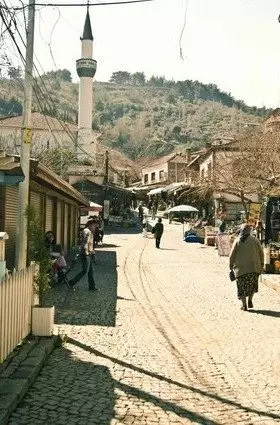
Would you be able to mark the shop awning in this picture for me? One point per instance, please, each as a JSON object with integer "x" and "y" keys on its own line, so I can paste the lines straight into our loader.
{"x": 157, "y": 191}
{"x": 92, "y": 207}
{"x": 175, "y": 186}
{"x": 230, "y": 197}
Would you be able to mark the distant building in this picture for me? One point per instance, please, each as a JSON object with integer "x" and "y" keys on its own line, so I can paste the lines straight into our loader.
{"x": 165, "y": 170}
{"x": 47, "y": 133}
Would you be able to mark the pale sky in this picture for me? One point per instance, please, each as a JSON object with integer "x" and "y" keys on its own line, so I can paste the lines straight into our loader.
{"x": 232, "y": 43}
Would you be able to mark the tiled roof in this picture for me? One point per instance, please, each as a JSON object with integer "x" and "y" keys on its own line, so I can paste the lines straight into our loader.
{"x": 117, "y": 162}
{"x": 39, "y": 122}
{"x": 161, "y": 160}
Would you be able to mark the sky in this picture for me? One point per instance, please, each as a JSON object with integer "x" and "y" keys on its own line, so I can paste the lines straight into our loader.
{"x": 231, "y": 43}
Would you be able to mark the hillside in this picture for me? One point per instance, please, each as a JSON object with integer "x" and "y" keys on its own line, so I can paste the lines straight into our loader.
{"x": 139, "y": 119}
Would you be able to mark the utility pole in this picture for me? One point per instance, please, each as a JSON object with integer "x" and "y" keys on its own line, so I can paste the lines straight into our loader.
{"x": 106, "y": 203}
{"x": 21, "y": 246}
{"x": 106, "y": 179}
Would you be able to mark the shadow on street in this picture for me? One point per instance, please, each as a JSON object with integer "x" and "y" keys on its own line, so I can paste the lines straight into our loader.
{"x": 84, "y": 307}
{"x": 266, "y": 312}
{"x": 83, "y": 391}
{"x": 163, "y": 403}
{"x": 109, "y": 230}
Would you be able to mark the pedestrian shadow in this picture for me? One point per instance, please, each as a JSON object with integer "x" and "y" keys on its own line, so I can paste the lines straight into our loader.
{"x": 107, "y": 245}
{"x": 125, "y": 299}
{"x": 84, "y": 307}
{"x": 266, "y": 312}
{"x": 111, "y": 230}
{"x": 83, "y": 392}
{"x": 182, "y": 412}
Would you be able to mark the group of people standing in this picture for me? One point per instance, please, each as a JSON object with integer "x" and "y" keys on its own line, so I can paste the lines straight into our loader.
{"x": 90, "y": 236}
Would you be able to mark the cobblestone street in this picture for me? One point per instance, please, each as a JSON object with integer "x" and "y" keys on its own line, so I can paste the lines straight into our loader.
{"x": 163, "y": 342}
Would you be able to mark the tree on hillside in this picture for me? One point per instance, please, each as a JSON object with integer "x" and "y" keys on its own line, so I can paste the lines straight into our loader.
{"x": 121, "y": 77}
{"x": 14, "y": 73}
{"x": 60, "y": 74}
{"x": 156, "y": 81}
{"x": 138, "y": 79}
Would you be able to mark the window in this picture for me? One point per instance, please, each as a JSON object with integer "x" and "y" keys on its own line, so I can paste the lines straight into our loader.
{"x": 153, "y": 176}
{"x": 146, "y": 178}
{"x": 161, "y": 175}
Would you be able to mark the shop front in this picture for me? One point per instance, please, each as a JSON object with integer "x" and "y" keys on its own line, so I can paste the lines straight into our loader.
{"x": 271, "y": 218}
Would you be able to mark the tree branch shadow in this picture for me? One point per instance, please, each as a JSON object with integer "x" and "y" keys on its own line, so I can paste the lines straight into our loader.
{"x": 173, "y": 382}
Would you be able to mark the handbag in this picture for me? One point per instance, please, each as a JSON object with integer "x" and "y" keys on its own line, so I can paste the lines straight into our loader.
{"x": 232, "y": 275}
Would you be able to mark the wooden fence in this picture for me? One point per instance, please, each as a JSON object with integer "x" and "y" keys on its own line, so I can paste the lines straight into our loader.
{"x": 16, "y": 300}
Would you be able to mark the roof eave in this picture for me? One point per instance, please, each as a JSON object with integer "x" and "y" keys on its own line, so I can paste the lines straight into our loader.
{"x": 48, "y": 176}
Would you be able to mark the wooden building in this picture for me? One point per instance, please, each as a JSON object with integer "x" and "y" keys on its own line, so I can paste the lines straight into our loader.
{"x": 119, "y": 197}
{"x": 55, "y": 201}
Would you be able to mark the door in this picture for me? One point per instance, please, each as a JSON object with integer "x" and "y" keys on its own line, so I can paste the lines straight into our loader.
{"x": 66, "y": 227}
{"x": 36, "y": 201}
{"x": 11, "y": 209}
{"x": 49, "y": 210}
{"x": 59, "y": 222}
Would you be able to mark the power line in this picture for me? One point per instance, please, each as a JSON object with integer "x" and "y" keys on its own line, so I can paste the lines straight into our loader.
{"x": 183, "y": 30}
{"x": 23, "y": 60}
{"x": 82, "y": 4}
{"x": 63, "y": 124}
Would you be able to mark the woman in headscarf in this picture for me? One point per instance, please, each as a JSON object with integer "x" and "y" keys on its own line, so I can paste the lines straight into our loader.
{"x": 247, "y": 260}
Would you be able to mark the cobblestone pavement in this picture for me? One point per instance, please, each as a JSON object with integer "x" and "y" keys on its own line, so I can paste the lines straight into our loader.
{"x": 163, "y": 342}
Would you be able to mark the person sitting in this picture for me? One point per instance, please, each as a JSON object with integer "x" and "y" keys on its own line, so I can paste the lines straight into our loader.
{"x": 56, "y": 253}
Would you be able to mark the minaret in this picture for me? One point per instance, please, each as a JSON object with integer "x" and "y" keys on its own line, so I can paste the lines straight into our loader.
{"x": 86, "y": 68}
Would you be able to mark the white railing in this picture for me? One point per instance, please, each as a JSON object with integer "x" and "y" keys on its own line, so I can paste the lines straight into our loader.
{"x": 16, "y": 300}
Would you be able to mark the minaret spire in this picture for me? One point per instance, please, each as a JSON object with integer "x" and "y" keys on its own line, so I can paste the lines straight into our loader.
{"x": 87, "y": 34}
{"x": 86, "y": 68}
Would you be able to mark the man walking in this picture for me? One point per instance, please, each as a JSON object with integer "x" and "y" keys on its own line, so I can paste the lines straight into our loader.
{"x": 87, "y": 257}
{"x": 141, "y": 212}
{"x": 158, "y": 231}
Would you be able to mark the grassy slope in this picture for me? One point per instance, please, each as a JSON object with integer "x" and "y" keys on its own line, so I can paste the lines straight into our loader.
{"x": 143, "y": 121}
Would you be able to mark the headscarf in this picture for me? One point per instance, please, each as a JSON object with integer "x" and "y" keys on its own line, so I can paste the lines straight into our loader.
{"x": 245, "y": 230}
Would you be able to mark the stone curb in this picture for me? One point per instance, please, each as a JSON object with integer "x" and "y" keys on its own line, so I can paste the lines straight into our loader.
{"x": 19, "y": 371}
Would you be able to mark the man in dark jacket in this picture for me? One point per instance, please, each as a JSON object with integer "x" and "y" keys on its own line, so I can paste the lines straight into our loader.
{"x": 158, "y": 231}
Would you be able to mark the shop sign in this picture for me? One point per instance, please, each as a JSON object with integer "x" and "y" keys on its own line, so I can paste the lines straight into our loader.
{"x": 254, "y": 213}
{"x": 223, "y": 244}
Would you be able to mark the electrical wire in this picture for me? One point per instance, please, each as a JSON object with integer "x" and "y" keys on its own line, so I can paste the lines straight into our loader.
{"x": 82, "y": 4}
{"x": 63, "y": 125}
{"x": 183, "y": 30}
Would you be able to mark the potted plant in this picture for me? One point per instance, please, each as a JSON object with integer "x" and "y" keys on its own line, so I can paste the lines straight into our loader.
{"x": 42, "y": 316}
